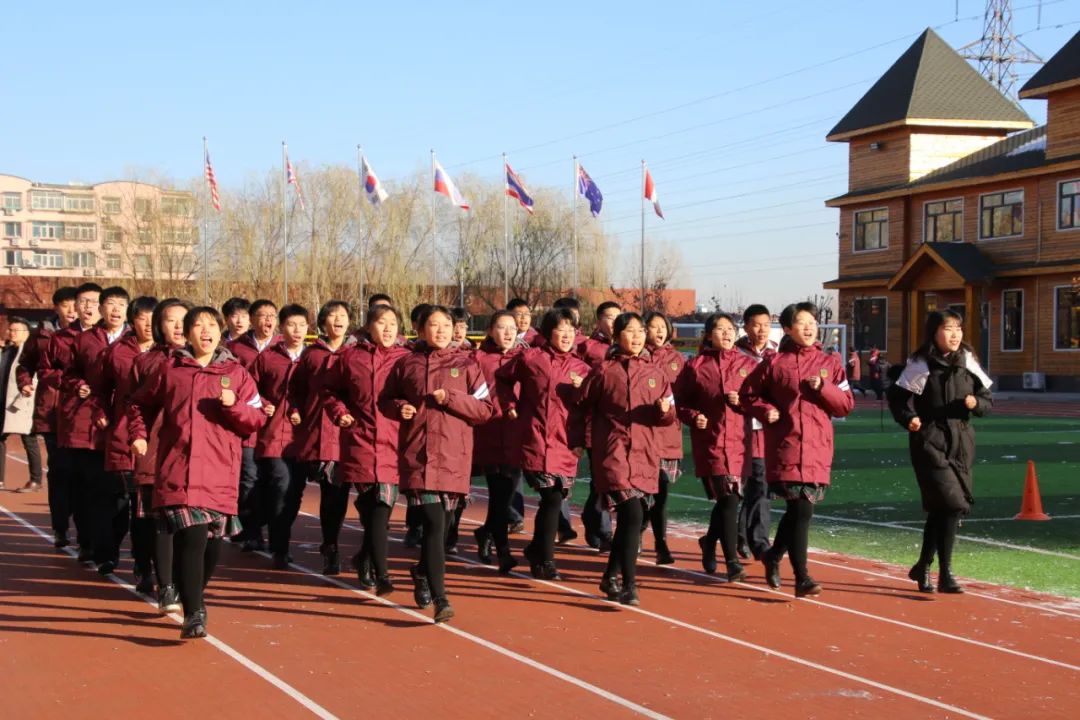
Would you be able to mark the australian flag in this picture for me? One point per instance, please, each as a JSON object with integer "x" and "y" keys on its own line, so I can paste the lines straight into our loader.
{"x": 587, "y": 189}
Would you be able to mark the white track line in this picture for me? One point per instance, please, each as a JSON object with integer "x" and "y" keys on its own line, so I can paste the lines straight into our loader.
{"x": 304, "y": 700}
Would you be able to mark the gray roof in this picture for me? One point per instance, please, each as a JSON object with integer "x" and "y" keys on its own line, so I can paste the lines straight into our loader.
{"x": 1062, "y": 68}
{"x": 930, "y": 81}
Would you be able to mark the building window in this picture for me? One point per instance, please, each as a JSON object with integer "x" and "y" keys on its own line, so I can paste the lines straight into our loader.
{"x": 142, "y": 264}
{"x": 112, "y": 262}
{"x": 79, "y": 231}
{"x": 1012, "y": 320}
{"x": 870, "y": 319}
{"x": 114, "y": 235}
{"x": 176, "y": 236}
{"x": 81, "y": 259}
{"x": 1067, "y": 318}
{"x": 145, "y": 237}
{"x": 1069, "y": 205}
{"x": 46, "y": 230}
{"x": 79, "y": 203}
{"x": 12, "y": 258}
{"x": 1001, "y": 215}
{"x": 172, "y": 205}
{"x": 944, "y": 221}
{"x": 12, "y": 201}
{"x": 49, "y": 258}
{"x": 872, "y": 229}
{"x": 143, "y": 207}
{"x": 46, "y": 200}
{"x": 12, "y": 230}
{"x": 110, "y": 205}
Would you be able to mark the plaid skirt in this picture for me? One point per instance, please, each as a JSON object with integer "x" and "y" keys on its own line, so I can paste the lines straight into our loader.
{"x": 449, "y": 501}
{"x": 542, "y": 480}
{"x": 719, "y": 486}
{"x": 671, "y": 468}
{"x": 142, "y": 501}
{"x": 796, "y": 491}
{"x": 174, "y": 518}
{"x": 613, "y": 499}
{"x": 385, "y": 493}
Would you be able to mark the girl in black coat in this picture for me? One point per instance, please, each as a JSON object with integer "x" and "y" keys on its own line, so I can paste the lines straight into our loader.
{"x": 939, "y": 390}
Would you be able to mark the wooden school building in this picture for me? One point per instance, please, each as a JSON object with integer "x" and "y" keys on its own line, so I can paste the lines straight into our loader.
{"x": 956, "y": 200}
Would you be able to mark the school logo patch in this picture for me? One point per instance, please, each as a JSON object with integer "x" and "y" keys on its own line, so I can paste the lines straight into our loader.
{"x": 824, "y": 373}
{"x": 674, "y": 366}
{"x": 454, "y": 372}
{"x": 652, "y": 382}
{"x": 742, "y": 372}
{"x": 225, "y": 382}
{"x": 574, "y": 376}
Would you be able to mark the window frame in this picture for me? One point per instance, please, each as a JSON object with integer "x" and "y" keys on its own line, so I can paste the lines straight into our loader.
{"x": 963, "y": 209}
{"x": 107, "y": 205}
{"x": 1057, "y": 206}
{"x": 1057, "y": 307}
{"x": 855, "y": 224}
{"x": 1001, "y": 344}
{"x": 48, "y": 194}
{"x": 10, "y": 195}
{"x": 1023, "y": 210}
{"x": 884, "y": 346}
{"x": 18, "y": 224}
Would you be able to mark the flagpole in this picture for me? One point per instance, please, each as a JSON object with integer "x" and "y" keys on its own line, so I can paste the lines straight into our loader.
{"x": 573, "y": 221}
{"x": 360, "y": 229}
{"x": 643, "y": 237}
{"x": 285, "y": 222}
{"x": 434, "y": 270}
{"x": 205, "y": 239}
{"x": 506, "y": 238}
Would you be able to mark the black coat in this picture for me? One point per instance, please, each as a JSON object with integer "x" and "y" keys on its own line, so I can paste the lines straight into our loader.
{"x": 943, "y": 451}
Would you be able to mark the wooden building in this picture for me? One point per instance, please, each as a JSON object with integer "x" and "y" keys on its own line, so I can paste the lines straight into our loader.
{"x": 955, "y": 200}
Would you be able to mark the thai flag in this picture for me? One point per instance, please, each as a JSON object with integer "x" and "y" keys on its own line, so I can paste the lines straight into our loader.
{"x": 516, "y": 189}
{"x": 444, "y": 185}
{"x": 372, "y": 186}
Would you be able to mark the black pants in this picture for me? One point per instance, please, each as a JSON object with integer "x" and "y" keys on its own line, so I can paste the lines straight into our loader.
{"x": 434, "y": 519}
{"x": 281, "y": 486}
{"x": 595, "y": 518}
{"x": 755, "y": 515}
{"x": 248, "y": 501}
{"x": 195, "y": 557}
{"x": 101, "y": 502}
{"x": 32, "y": 447}
{"x": 517, "y": 502}
{"x": 61, "y": 488}
{"x": 658, "y": 512}
{"x": 143, "y": 531}
{"x": 375, "y": 517}
{"x": 723, "y": 525}
{"x": 414, "y": 517}
{"x": 547, "y": 518}
{"x": 333, "y": 505}
{"x": 501, "y": 486}
{"x": 939, "y": 536}
{"x": 793, "y": 535}
{"x": 624, "y": 546}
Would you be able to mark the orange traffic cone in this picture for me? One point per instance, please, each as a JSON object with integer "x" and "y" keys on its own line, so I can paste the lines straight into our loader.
{"x": 1031, "y": 507}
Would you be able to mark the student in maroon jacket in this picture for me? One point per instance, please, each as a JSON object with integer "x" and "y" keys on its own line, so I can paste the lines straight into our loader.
{"x": 281, "y": 474}
{"x": 797, "y": 392}
{"x": 594, "y": 515}
{"x": 658, "y": 332}
{"x": 207, "y": 403}
{"x": 246, "y": 347}
{"x": 439, "y": 393}
{"x": 629, "y": 397}
{"x": 352, "y": 387}
{"x": 318, "y": 436}
{"x": 237, "y": 314}
{"x": 84, "y": 399}
{"x": 707, "y": 397}
{"x": 526, "y": 333}
{"x": 540, "y": 388}
{"x": 495, "y": 445}
{"x": 117, "y": 386}
{"x": 34, "y": 361}
{"x": 755, "y": 514}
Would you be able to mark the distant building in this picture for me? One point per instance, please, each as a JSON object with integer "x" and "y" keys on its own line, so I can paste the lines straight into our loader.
{"x": 955, "y": 200}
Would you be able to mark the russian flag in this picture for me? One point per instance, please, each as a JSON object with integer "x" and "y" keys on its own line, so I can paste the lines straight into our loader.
{"x": 444, "y": 185}
{"x": 372, "y": 186}
{"x": 516, "y": 189}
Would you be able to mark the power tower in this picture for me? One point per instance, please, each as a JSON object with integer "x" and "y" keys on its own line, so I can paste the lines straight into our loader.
{"x": 998, "y": 50}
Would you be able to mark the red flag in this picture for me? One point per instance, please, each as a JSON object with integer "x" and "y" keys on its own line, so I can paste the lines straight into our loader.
{"x": 291, "y": 179}
{"x": 650, "y": 194}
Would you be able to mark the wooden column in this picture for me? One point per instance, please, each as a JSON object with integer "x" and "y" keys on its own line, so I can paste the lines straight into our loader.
{"x": 916, "y": 318}
{"x": 972, "y": 317}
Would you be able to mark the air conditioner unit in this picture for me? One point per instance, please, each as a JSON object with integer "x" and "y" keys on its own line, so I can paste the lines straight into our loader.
{"x": 1034, "y": 381}
{"x": 106, "y": 246}
{"x": 30, "y": 265}
{"x": 14, "y": 242}
{"x": 88, "y": 273}
{"x": 9, "y": 212}
{"x": 13, "y": 270}
{"x": 99, "y": 273}
{"x": 35, "y": 243}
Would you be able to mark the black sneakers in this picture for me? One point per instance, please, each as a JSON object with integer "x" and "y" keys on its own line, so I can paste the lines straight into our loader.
{"x": 194, "y": 625}
{"x": 772, "y": 569}
{"x": 443, "y": 611}
{"x": 168, "y": 600}
{"x": 663, "y": 554}
{"x": 610, "y": 586}
{"x": 807, "y": 587}
{"x": 484, "y": 545}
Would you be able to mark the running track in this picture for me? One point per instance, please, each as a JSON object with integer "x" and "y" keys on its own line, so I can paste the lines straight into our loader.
{"x": 295, "y": 644}
{"x": 1012, "y": 406}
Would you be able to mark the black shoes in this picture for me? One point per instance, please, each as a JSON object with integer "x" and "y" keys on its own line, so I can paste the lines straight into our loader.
{"x": 282, "y": 561}
{"x": 506, "y": 560}
{"x": 144, "y": 584}
{"x": 921, "y": 575}
{"x": 413, "y": 536}
{"x": 451, "y": 540}
{"x": 516, "y": 528}
{"x": 106, "y": 568}
{"x": 384, "y": 585}
{"x": 535, "y": 564}
{"x": 946, "y": 583}
{"x": 772, "y": 569}
{"x": 168, "y": 600}
{"x": 548, "y": 571}
{"x": 443, "y": 611}
{"x": 610, "y": 586}
{"x": 30, "y": 487}
{"x": 663, "y": 554}
{"x": 743, "y": 550}
{"x": 253, "y": 545}
{"x": 604, "y": 543}
{"x": 629, "y": 596}
{"x": 331, "y": 559}
{"x": 421, "y": 589}
{"x": 735, "y": 572}
{"x": 708, "y": 553}
{"x": 807, "y": 587}
{"x": 484, "y": 545}
{"x": 86, "y": 554}
{"x": 194, "y": 626}
{"x": 565, "y": 536}
{"x": 365, "y": 574}
{"x": 60, "y": 541}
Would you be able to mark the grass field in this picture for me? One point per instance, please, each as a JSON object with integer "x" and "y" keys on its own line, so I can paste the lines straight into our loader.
{"x": 872, "y": 509}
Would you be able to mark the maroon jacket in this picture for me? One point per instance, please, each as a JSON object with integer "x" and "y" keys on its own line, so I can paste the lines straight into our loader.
{"x": 798, "y": 446}
{"x": 495, "y": 442}
{"x": 198, "y": 456}
{"x": 272, "y": 370}
{"x": 530, "y": 337}
{"x": 58, "y": 358}
{"x": 87, "y": 367}
{"x": 537, "y": 383}
{"x": 246, "y": 352}
{"x": 34, "y": 360}
{"x": 436, "y": 445}
{"x": 147, "y": 367}
{"x": 118, "y": 382}
{"x": 723, "y": 447}
{"x": 594, "y": 349}
{"x": 669, "y": 436}
{"x": 756, "y": 429}
{"x": 621, "y": 394}
{"x": 353, "y": 386}
{"x": 318, "y": 437}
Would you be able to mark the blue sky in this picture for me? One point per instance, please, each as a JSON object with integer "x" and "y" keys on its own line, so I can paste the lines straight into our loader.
{"x": 729, "y": 102}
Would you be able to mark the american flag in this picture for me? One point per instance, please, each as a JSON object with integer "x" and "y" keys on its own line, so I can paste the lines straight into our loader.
{"x": 290, "y": 176}
{"x": 215, "y": 198}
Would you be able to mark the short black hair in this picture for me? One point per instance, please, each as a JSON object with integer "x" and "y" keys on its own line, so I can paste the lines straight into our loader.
{"x": 234, "y": 305}
{"x": 159, "y": 313}
{"x": 329, "y": 307}
{"x": 787, "y": 317}
{"x": 605, "y": 306}
{"x": 378, "y": 311}
{"x": 567, "y": 302}
{"x": 63, "y": 294}
{"x": 140, "y": 305}
{"x": 380, "y": 299}
{"x": 623, "y": 320}
{"x": 114, "y": 292}
{"x": 459, "y": 314}
{"x": 18, "y": 320}
{"x": 259, "y": 305}
{"x": 515, "y": 303}
{"x": 500, "y": 314}
{"x": 652, "y": 315}
{"x": 417, "y": 312}
{"x": 553, "y": 318}
{"x": 710, "y": 324}
{"x": 86, "y": 288}
{"x": 293, "y": 310}
{"x": 753, "y": 311}
{"x": 196, "y": 312}
{"x": 433, "y": 310}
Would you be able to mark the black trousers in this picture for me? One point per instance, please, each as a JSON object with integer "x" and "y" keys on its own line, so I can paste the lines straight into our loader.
{"x": 281, "y": 485}
{"x": 754, "y": 515}
{"x": 102, "y": 499}
{"x": 32, "y": 447}
{"x": 248, "y": 502}
{"x": 595, "y": 518}
{"x": 61, "y": 489}
{"x": 333, "y": 504}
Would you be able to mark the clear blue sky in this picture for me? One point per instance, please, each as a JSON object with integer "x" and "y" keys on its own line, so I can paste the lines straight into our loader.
{"x": 93, "y": 91}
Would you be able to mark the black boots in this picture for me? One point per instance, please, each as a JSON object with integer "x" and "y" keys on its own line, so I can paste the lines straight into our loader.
{"x": 506, "y": 560}
{"x": 421, "y": 589}
{"x": 946, "y": 583}
{"x": 708, "y": 553}
{"x": 771, "y": 565}
{"x": 484, "y": 545}
{"x": 920, "y": 573}
{"x": 663, "y": 554}
{"x": 331, "y": 559}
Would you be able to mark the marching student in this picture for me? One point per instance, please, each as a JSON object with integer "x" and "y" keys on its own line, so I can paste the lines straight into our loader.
{"x": 317, "y": 433}
{"x": 237, "y": 314}
{"x": 939, "y": 390}
{"x": 246, "y": 348}
{"x": 796, "y": 393}
{"x": 629, "y": 397}
{"x": 658, "y": 332}
{"x": 461, "y": 330}
{"x": 707, "y": 398}
{"x": 540, "y": 388}
{"x": 206, "y": 403}
{"x": 33, "y": 365}
{"x": 83, "y": 397}
{"x": 167, "y": 324}
{"x": 526, "y": 333}
{"x": 439, "y": 393}
{"x": 414, "y": 530}
{"x": 281, "y": 475}
{"x": 755, "y": 517}
{"x": 495, "y": 445}
{"x": 18, "y": 408}
{"x": 351, "y": 392}
{"x": 118, "y": 382}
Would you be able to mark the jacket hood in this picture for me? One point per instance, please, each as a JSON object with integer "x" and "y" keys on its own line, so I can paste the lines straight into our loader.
{"x": 218, "y": 362}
